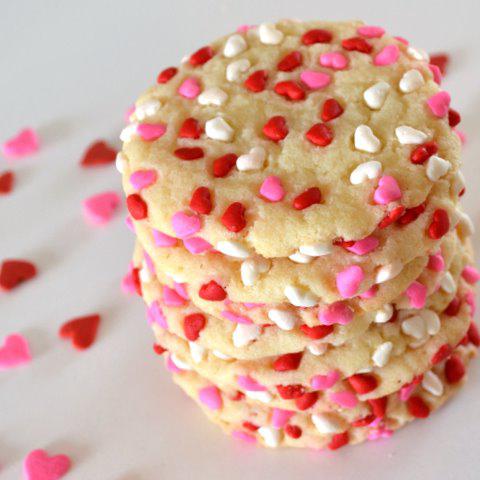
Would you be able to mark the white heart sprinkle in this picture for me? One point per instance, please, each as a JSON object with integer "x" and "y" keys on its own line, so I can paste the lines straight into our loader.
{"x": 385, "y": 314}
{"x": 432, "y": 321}
{"x": 271, "y": 436}
{"x": 300, "y": 297}
{"x": 365, "y": 140}
{"x": 328, "y": 423}
{"x": 128, "y": 132}
{"x": 269, "y": 35}
{"x": 235, "y": 69}
{"x": 197, "y": 352}
{"x": 448, "y": 284}
{"x": 218, "y": 129}
{"x": 212, "y": 96}
{"x": 220, "y": 355}
{"x": 432, "y": 384}
{"x": 234, "y": 45}
{"x": 411, "y": 81}
{"x": 418, "y": 54}
{"x": 298, "y": 257}
{"x": 252, "y": 268}
{"x": 366, "y": 171}
{"x": 232, "y": 249}
{"x": 317, "y": 348}
{"x": 120, "y": 162}
{"x": 415, "y": 327}
{"x": 382, "y": 353}
{"x": 410, "y": 136}
{"x": 253, "y": 160}
{"x": 465, "y": 225}
{"x": 180, "y": 363}
{"x": 147, "y": 109}
{"x": 283, "y": 319}
{"x": 245, "y": 334}
{"x": 376, "y": 95}
{"x": 264, "y": 397}
{"x": 387, "y": 272}
{"x": 316, "y": 250}
{"x": 436, "y": 168}
{"x": 458, "y": 184}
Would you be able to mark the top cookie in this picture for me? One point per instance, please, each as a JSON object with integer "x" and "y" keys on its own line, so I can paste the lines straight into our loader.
{"x": 291, "y": 136}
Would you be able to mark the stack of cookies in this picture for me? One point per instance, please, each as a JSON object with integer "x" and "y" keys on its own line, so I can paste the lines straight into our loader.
{"x": 306, "y": 266}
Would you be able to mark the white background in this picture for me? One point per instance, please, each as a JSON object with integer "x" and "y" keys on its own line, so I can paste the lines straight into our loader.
{"x": 70, "y": 69}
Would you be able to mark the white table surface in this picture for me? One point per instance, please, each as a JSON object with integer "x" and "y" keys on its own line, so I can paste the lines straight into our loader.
{"x": 70, "y": 69}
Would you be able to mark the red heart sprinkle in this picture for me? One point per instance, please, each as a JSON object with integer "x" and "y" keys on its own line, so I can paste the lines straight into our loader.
{"x": 158, "y": 349}
{"x": 81, "y": 331}
{"x": 290, "y": 392}
{"x": 193, "y": 324}
{"x": 364, "y": 421}
{"x": 440, "y": 225}
{"x": 453, "y": 307}
{"x": 417, "y": 407}
{"x": 441, "y": 60}
{"x": 454, "y": 118}
{"x": 256, "y": 81}
{"x": 289, "y": 361}
{"x": 307, "y": 400}
{"x": 189, "y": 153}
{"x": 212, "y": 291}
{"x": 276, "y": 128}
{"x": 411, "y": 214}
{"x": 137, "y": 207}
{"x": 338, "y": 440}
{"x": 340, "y": 242}
{"x": 201, "y": 56}
{"x": 474, "y": 334}
{"x": 190, "y": 129}
{"x": 165, "y": 75}
{"x": 379, "y": 406}
{"x": 234, "y": 217}
{"x": 320, "y": 135}
{"x": 293, "y": 431}
{"x": 317, "y": 332}
{"x": 290, "y": 61}
{"x": 363, "y": 383}
{"x": 6, "y": 182}
{"x": 454, "y": 369}
{"x": 223, "y": 165}
{"x": 136, "y": 281}
{"x": 201, "y": 201}
{"x": 391, "y": 217}
{"x": 331, "y": 110}
{"x": 15, "y": 272}
{"x": 441, "y": 354}
{"x": 357, "y": 44}
{"x": 307, "y": 198}
{"x": 316, "y": 35}
{"x": 423, "y": 152}
{"x": 290, "y": 90}
{"x": 98, "y": 153}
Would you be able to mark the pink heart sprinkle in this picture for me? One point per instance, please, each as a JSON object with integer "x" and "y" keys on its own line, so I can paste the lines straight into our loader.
{"x": 337, "y": 312}
{"x": 406, "y": 391}
{"x": 197, "y": 245}
{"x": 379, "y": 433}
{"x": 172, "y": 298}
{"x": 251, "y": 306}
{"x": 471, "y": 275}
{"x": 417, "y": 294}
{"x": 143, "y": 179}
{"x": 245, "y": 382}
{"x": 39, "y": 466}
{"x": 349, "y": 280}
{"x": 172, "y": 366}
{"x": 244, "y": 436}
{"x": 190, "y": 88}
{"x": 14, "y": 352}
{"x": 334, "y": 60}
{"x": 436, "y": 262}
{"x": 163, "y": 240}
{"x": 272, "y": 189}
{"x": 156, "y": 315}
{"x": 324, "y": 382}
{"x": 461, "y": 135}
{"x": 244, "y": 28}
{"x": 129, "y": 224}
{"x": 99, "y": 209}
{"x": 236, "y": 318}
{"x": 387, "y": 56}
{"x": 345, "y": 399}
{"x": 437, "y": 73}
{"x": 185, "y": 225}
{"x": 471, "y": 301}
{"x": 315, "y": 80}
{"x": 151, "y": 131}
{"x": 364, "y": 246}
{"x": 128, "y": 284}
{"x": 181, "y": 289}
{"x": 149, "y": 262}
{"x": 439, "y": 104}
{"x": 281, "y": 417}
{"x": 387, "y": 191}
{"x": 370, "y": 31}
{"x": 211, "y": 397}
{"x": 370, "y": 293}
{"x": 24, "y": 143}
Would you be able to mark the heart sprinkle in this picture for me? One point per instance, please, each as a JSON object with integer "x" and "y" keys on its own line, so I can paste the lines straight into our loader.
{"x": 82, "y": 331}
